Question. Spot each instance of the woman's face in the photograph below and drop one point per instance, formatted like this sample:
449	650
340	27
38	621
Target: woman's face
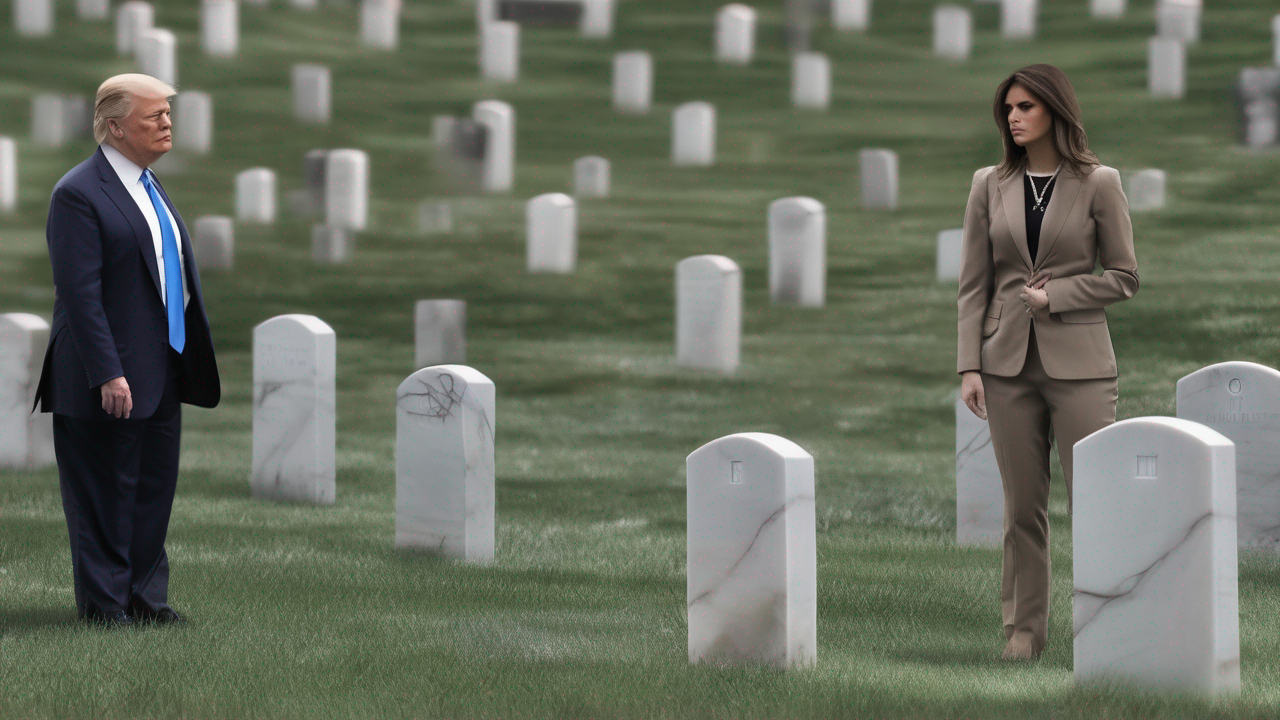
1029	119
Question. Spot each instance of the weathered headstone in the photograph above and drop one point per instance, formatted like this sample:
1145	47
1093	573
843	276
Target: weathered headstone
810	80
591	177
1018	18
380	24
597	18
193	122
294	410
850	14
26	438
1178	20
157	53
735	34
551	233
8	175
1166	67
214	242
500	143
952	32
439	332
752	552
1107	8
798	252
256	196
632	82
950	245
1258	94
346	195
879	171
220	27
1154	549
1146	190
1241	400
311	93
93	9
330	245
445	423
693	134
50	120
979	490
435	218
132	19
500	51
33	18
708	313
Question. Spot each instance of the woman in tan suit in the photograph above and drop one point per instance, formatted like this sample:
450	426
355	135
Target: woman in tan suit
1034	351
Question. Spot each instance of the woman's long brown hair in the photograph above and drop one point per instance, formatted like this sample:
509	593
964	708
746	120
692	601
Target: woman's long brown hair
1051	86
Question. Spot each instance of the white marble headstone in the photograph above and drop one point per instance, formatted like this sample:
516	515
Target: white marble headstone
952	32
445	423
330	245
500	143
439	332
193	122
1154	549
798	252
632	82
50	120
157	53
1146	190
551	232
879	170
311	93
346	195
1166	67
1107	8
435	218
1018	18
591	177
1241	400
220	27
256	196
213	241
380	24
79	121
850	14
597	18
8	175
979	490
693	134
1275	40
93	9
708	313
132	19
950	247
33	18
1178	20
735	34
810	81
304	4
500	51
752	552
294	409
26	438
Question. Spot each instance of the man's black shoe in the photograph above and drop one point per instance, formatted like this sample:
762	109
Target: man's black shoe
163	616
115	619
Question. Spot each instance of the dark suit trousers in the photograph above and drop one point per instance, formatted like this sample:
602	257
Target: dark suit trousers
1026	413
117	479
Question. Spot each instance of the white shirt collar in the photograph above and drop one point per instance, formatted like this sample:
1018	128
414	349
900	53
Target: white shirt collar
130	174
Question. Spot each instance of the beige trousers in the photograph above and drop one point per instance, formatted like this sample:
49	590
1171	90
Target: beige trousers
1026	413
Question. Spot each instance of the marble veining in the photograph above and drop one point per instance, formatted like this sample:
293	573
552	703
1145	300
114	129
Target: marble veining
26	438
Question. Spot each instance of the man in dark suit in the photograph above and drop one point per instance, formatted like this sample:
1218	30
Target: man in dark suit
130	341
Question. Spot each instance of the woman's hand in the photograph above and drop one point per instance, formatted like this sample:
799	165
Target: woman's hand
972	394
1034	297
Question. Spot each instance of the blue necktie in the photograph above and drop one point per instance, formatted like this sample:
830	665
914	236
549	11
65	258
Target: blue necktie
172	270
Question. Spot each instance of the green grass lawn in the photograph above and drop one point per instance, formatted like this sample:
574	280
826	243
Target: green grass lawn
302	611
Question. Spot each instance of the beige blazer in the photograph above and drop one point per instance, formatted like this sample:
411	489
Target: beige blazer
1085	224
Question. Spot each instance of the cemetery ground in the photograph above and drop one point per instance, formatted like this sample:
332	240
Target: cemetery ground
300	611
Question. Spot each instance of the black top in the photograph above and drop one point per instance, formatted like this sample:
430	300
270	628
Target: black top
1034	217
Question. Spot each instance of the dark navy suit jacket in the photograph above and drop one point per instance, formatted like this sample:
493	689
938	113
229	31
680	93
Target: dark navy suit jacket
108	316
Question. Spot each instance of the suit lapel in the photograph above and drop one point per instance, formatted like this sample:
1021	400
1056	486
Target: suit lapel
192	279
116	191
1015	213
1061	202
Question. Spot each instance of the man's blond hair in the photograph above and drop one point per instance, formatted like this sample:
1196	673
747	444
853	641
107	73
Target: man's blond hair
117	98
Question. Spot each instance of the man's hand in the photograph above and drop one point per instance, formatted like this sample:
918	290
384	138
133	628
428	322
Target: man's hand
116	398
973	395
1034	296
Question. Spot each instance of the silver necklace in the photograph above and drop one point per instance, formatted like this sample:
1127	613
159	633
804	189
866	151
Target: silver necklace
1037	194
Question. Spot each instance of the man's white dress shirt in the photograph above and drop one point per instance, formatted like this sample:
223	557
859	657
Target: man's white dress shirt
131	176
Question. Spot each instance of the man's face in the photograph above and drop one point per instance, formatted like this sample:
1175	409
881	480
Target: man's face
146	130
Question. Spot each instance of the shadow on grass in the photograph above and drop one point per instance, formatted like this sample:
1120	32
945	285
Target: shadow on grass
20	621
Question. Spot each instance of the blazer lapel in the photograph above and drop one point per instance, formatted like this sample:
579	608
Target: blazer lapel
1055	215
115	190
1015	214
